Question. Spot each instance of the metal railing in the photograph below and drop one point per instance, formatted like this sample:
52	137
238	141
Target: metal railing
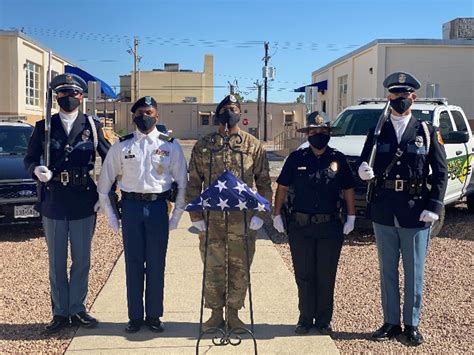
289	134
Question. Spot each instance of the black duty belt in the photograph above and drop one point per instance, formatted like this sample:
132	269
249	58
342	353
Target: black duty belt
304	219
136	196
73	177
396	185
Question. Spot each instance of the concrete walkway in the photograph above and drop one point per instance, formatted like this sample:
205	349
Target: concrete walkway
274	300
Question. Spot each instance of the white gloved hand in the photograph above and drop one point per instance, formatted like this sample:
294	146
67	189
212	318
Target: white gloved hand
109	212
97	207
349	225
256	223
428	216
43	173
175	217
278	224
365	171
200	225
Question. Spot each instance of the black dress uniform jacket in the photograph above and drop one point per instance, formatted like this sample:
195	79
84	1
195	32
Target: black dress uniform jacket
74	200
413	168
316	181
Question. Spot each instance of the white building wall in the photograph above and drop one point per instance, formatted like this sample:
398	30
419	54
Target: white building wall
364	75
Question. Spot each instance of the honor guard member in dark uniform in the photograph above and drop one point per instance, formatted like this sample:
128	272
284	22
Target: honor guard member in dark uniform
145	164
404	203
317	177
68	198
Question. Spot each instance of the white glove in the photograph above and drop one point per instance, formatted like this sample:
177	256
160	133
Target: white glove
349	225
109	212
43	173
175	217
256	223
365	171
200	225
428	216
278	224
97	207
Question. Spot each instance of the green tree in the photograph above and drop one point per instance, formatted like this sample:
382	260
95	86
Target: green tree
300	99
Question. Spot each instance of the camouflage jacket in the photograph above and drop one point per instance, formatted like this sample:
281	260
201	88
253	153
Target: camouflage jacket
255	163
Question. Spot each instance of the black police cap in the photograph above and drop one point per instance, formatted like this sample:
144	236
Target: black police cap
63	82
228	100
315	120
145	101
401	82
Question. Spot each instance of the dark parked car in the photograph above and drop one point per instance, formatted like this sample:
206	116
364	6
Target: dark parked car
17	188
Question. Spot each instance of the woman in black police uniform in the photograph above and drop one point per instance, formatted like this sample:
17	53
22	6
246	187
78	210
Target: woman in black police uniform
316	175
68	201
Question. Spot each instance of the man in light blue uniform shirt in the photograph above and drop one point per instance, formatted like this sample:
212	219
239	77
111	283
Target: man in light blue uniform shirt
145	164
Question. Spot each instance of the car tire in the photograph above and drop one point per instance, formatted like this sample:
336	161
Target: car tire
438	225
470	203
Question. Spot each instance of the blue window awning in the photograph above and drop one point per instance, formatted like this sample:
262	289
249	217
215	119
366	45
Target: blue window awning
104	87
322	86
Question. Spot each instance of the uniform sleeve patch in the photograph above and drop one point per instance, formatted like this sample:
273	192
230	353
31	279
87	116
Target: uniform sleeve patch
440	139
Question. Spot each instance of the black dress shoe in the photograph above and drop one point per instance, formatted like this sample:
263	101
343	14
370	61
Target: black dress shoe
386	332
413	335
84	320
324	329
56	324
134	325
154	324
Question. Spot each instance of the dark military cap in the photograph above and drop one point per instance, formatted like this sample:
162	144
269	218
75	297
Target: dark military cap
68	81
401	82
228	100
315	120
145	101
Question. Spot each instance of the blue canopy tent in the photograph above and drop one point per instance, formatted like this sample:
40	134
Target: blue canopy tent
104	87
322	86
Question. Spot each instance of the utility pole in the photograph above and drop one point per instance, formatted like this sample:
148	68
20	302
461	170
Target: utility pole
265	70
259	103
231	88
136	73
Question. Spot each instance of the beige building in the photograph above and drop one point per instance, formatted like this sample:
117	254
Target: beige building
191	121
23	73
445	68
172	84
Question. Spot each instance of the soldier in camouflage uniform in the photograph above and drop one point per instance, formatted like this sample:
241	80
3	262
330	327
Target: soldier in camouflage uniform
256	173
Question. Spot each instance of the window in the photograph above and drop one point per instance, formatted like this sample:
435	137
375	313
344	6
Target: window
33	83
204	118
445	124
341	93
459	121
289	117
323	106
215	120
55	102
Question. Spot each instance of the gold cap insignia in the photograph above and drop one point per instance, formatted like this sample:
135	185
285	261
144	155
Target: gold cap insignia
402	78
69	79
319	120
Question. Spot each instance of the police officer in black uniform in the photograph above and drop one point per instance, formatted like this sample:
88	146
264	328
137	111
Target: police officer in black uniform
404	203
68	198
318	176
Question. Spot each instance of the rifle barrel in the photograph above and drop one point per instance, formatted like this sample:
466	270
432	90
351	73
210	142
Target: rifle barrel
49	104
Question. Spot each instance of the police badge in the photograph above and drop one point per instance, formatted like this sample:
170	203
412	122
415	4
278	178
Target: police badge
402	78
333	166
85	135
419	141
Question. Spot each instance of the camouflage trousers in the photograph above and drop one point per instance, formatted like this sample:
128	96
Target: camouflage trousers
214	288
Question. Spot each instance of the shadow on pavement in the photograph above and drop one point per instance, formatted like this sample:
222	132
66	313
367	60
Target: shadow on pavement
20	232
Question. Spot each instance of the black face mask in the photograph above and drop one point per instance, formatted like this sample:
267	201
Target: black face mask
144	122
401	104
68	103
229	118
319	140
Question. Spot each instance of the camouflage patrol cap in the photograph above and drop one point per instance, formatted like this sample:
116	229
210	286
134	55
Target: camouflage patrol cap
228	100
65	82
145	101
315	120
401	82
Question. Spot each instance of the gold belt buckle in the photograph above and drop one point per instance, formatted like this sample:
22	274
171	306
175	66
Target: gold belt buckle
64	177
398	185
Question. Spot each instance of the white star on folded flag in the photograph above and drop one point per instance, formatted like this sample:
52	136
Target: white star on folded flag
242	205
205	203
260	207
221	185
222	203
240	187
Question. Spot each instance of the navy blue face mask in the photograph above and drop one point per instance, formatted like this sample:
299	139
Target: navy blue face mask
319	140
144	122
401	104
229	118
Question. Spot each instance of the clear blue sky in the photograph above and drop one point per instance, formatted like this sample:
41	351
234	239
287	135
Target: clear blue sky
303	34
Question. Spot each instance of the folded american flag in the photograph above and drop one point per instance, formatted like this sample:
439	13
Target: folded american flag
229	193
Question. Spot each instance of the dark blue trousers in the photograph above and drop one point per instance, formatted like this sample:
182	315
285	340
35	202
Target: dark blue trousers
145	240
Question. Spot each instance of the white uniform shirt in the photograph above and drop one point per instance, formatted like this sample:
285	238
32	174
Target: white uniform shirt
400	124
68	119
144	164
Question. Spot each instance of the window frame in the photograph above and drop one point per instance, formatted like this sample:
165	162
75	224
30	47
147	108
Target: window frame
33	75
342	89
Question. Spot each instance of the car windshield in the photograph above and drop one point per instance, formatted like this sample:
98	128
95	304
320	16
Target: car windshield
14	140
359	122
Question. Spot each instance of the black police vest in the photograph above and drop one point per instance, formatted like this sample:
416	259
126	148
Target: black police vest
316	188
